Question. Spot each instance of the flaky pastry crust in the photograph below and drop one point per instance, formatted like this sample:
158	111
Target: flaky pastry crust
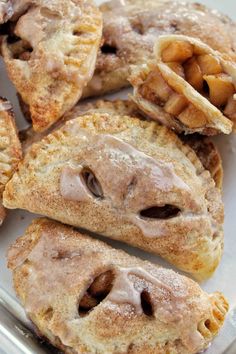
128	179
86	297
51	53
10	148
131	28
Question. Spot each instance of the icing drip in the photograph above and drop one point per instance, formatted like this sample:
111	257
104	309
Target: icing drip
150	228
125	292
71	185
128	179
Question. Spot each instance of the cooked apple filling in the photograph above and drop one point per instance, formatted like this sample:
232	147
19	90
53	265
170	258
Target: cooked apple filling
203	72
155	89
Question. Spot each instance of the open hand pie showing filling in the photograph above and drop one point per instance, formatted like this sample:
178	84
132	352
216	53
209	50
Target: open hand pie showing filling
50	53
128	179
85	296
190	88
130	29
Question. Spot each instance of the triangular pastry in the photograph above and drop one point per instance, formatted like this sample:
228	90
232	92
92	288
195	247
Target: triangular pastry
189	87
86	297
50	54
131	27
203	147
131	180
10	147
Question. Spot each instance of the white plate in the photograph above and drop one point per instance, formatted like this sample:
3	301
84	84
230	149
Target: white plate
222	280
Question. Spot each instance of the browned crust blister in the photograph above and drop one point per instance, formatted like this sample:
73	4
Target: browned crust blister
10	148
187	245
51	68
54	267
130	31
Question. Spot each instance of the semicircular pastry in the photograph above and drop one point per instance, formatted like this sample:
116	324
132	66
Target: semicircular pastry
130	180
84	296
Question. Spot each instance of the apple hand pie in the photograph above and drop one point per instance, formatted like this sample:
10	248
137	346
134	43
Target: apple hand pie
130	180
10	146
190	87
203	147
131	28
86	297
51	53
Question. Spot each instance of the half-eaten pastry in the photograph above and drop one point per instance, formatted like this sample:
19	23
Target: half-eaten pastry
86	297
131	180
190	87
10	147
50	54
131	27
205	149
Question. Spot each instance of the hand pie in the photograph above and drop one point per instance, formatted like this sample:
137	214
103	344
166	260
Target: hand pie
130	180
190	87
203	147
86	297
131	28
51	54
10	154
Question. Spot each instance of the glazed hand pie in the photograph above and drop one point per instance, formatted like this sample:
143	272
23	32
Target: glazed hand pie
131	28
50	54
10	154
190	87
86	297
203	147
130	180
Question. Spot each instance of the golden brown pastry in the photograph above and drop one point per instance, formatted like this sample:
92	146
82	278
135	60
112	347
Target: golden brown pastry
131	28
51	53
130	180
10	147
208	154
189	87
203	147
86	297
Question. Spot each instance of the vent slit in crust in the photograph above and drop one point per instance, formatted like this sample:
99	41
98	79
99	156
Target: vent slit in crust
146	303
92	183
160	212
96	293
108	49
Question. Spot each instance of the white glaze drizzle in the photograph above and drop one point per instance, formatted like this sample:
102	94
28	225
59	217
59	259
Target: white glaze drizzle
124	292
115	164
71	185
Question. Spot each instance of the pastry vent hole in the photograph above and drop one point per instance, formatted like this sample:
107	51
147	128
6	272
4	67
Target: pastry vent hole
96	293
157	212
146	303
92	183
108	49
